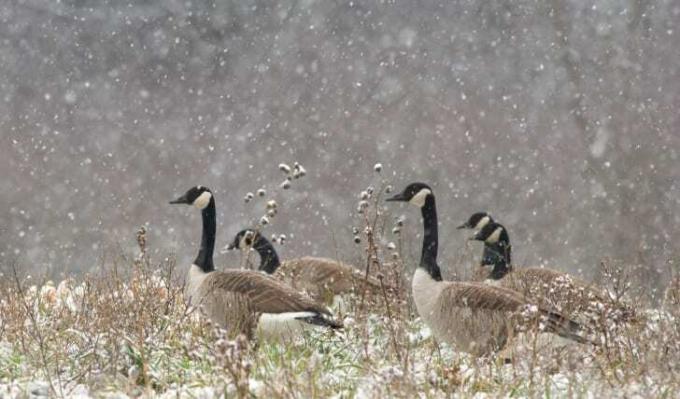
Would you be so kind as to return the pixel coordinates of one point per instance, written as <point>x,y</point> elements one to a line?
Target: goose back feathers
<point>545,287</point>
<point>321,278</point>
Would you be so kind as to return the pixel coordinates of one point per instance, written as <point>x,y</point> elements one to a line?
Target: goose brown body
<point>546,287</point>
<point>475,317</point>
<point>321,278</point>
<point>237,298</point>
<point>480,319</point>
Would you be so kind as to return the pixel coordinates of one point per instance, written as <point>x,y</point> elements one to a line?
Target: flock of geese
<point>479,317</point>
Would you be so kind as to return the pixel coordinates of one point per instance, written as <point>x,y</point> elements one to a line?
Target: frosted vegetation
<point>559,118</point>
<point>127,330</point>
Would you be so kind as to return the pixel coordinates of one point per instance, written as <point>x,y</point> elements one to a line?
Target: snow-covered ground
<point>115,337</point>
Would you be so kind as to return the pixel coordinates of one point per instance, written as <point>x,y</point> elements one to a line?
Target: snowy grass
<point>128,332</point>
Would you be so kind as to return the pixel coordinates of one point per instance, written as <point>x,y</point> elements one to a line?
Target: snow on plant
<point>143,344</point>
<point>128,331</point>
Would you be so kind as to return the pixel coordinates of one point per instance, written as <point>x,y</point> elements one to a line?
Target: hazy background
<point>559,117</point>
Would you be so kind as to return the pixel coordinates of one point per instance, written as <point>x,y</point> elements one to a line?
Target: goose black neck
<point>269,260</point>
<point>499,257</point>
<point>204,260</point>
<point>428,259</point>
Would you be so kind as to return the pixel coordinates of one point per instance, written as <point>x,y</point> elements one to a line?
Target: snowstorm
<point>560,118</point>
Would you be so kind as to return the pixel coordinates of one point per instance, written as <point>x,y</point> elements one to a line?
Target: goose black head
<point>414,193</point>
<point>477,221</point>
<point>198,196</point>
<point>243,239</point>
<point>493,233</point>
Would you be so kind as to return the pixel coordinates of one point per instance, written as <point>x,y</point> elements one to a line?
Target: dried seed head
<point>286,184</point>
<point>370,190</point>
<point>355,231</point>
<point>363,204</point>
<point>271,213</point>
<point>248,197</point>
<point>271,204</point>
<point>264,220</point>
<point>364,195</point>
<point>378,167</point>
<point>388,189</point>
<point>282,239</point>
<point>284,168</point>
<point>261,192</point>
<point>357,240</point>
<point>298,171</point>
<point>396,230</point>
<point>391,245</point>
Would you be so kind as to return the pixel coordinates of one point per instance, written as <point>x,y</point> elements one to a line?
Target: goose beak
<point>230,247</point>
<point>227,248</point>
<point>398,197</point>
<point>475,237</point>
<point>181,200</point>
<point>465,225</point>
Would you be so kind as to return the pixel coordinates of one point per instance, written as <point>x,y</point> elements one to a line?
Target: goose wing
<point>328,271</point>
<point>320,271</point>
<point>263,293</point>
<point>509,304</point>
<point>480,296</point>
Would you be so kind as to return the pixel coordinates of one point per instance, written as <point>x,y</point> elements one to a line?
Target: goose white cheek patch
<point>482,222</point>
<point>493,238</point>
<point>246,240</point>
<point>419,199</point>
<point>202,200</point>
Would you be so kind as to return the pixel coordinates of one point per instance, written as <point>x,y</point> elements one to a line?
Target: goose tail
<point>567,328</point>
<point>319,319</point>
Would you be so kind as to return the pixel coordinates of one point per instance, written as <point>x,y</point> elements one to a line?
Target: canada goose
<point>321,278</point>
<point>546,287</point>
<point>244,300</point>
<point>476,222</point>
<point>477,318</point>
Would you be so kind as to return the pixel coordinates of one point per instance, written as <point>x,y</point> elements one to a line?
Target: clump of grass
<point>127,329</point>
